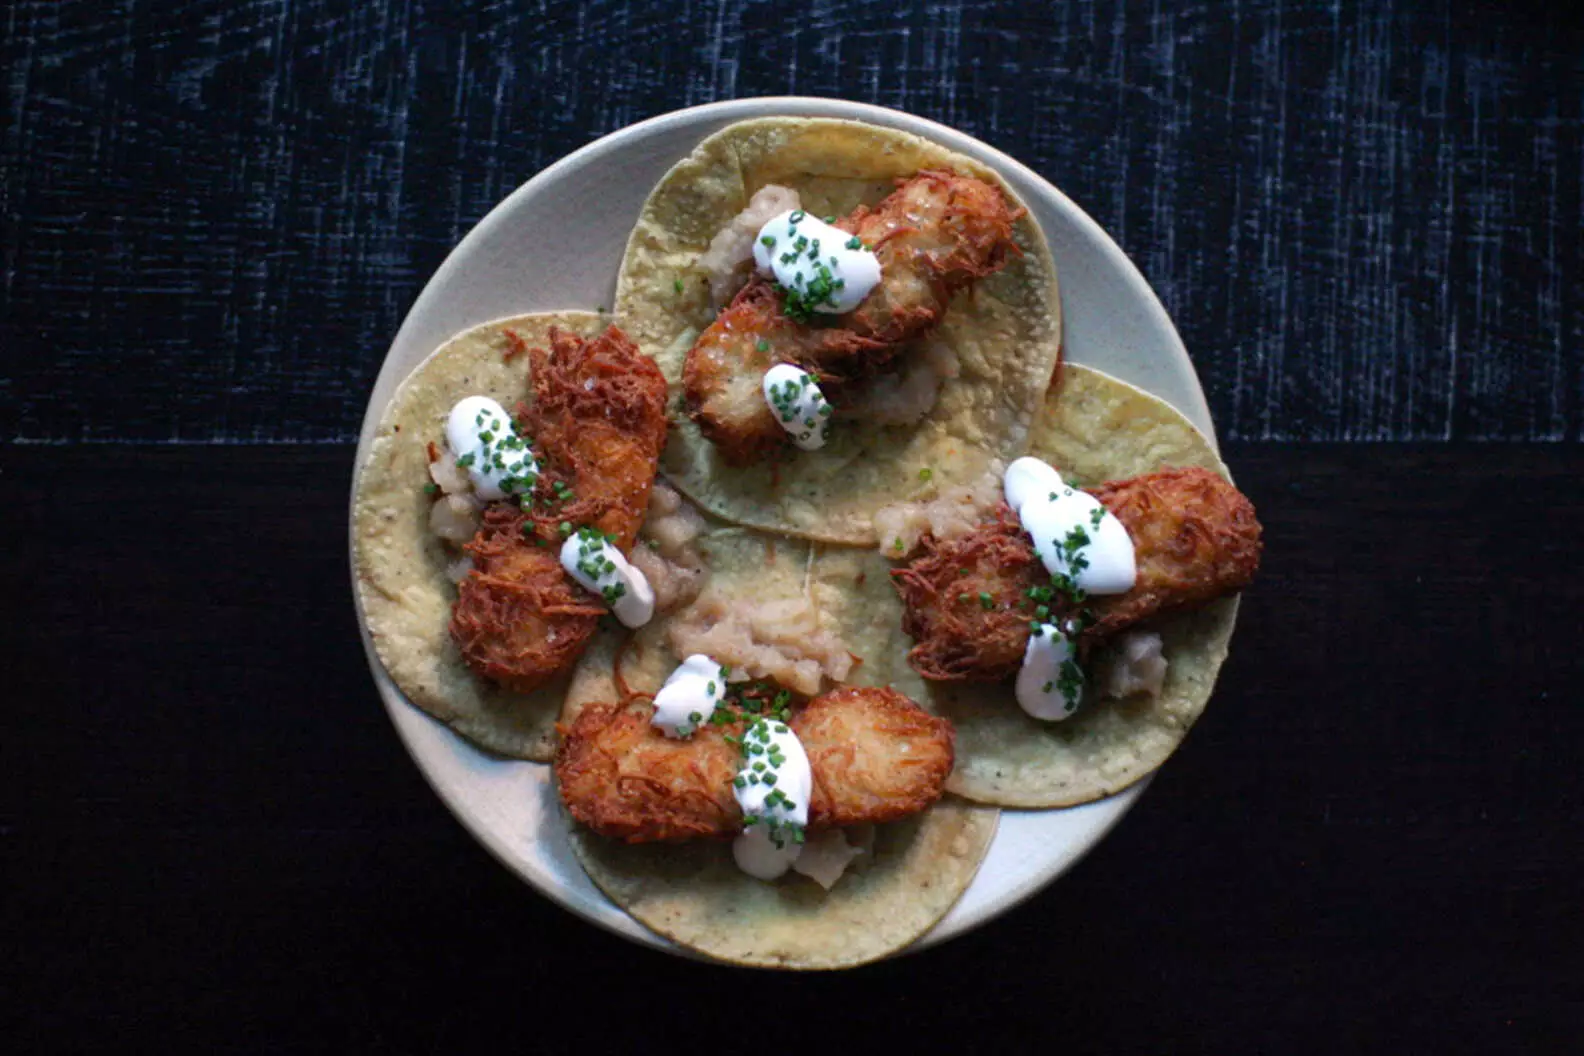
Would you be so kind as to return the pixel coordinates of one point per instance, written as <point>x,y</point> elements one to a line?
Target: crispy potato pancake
<point>935,235</point>
<point>598,422</point>
<point>966,600</point>
<point>519,619</point>
<point>875,755</point>
<point>623,778</point>
<point>1196,538</point>
<point>599,416</point>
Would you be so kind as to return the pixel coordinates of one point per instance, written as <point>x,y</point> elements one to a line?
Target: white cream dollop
<point>798,405</point>
<point>1050,682</point>
<point>480,434</point>
<point>598,566</point>
<point>773,788</point>
<point>758,856</point>
<point>1068,524</point>
<point>689,696</point>
<point>829,269</point>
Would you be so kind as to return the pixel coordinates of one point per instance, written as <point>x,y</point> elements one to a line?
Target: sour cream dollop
<point>480,434</point>
<point>798,405</point>
<point>773,788</point>
<point>826,268</point>
<point>1074,535</point>
<point>758,856</point>
<point>689,696</point>
<point>1050,682</point>
<point>590,559</point>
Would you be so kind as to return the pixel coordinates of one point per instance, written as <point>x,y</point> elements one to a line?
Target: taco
<point>658,821</point>
<point>976,593</point>
<point>509,443</point>
<point>935,371</point>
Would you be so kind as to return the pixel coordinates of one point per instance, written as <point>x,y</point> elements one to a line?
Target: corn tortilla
<point>694,894</point>
<point>1005,332</point>
<point>1094,428</point>
<point>400,566</point>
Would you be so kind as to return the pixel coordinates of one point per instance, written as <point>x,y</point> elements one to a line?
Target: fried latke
<point>596,425</point>
<point>964,600</point>
<point>1195,538</point>
<point>519,619</point>
<point>934,235</point>
<point>875,756</point>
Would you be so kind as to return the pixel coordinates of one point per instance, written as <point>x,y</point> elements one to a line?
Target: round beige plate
<point>556,243</point>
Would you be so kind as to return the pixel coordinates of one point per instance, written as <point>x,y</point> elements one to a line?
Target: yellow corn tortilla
<point>402,586</point>
<point>1005,332</point>
<point>1095,428</point>
<point>695,894</point>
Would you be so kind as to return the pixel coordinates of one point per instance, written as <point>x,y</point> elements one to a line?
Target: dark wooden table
<point>1367,227</point>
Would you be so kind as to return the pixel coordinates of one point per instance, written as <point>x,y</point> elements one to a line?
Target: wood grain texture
<point>211,836</point>
<point>1364,218</point>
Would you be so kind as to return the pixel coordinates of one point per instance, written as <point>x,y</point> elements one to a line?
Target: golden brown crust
<point>1195,536</point>
<point>519,619</point>
<point>622,778</point>
<point>722,375</point>
<point>597,424</point>
<point>938,233</point>
<point>598,421</point>
<point>875,756</point>
<point>935,235</point>
<point>964,601</point>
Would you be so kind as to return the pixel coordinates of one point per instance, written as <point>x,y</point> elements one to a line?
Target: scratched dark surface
<point>1363,218</point>
<point>1365,221</point>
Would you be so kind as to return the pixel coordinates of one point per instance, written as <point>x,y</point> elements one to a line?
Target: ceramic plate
<point>555,243</point>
